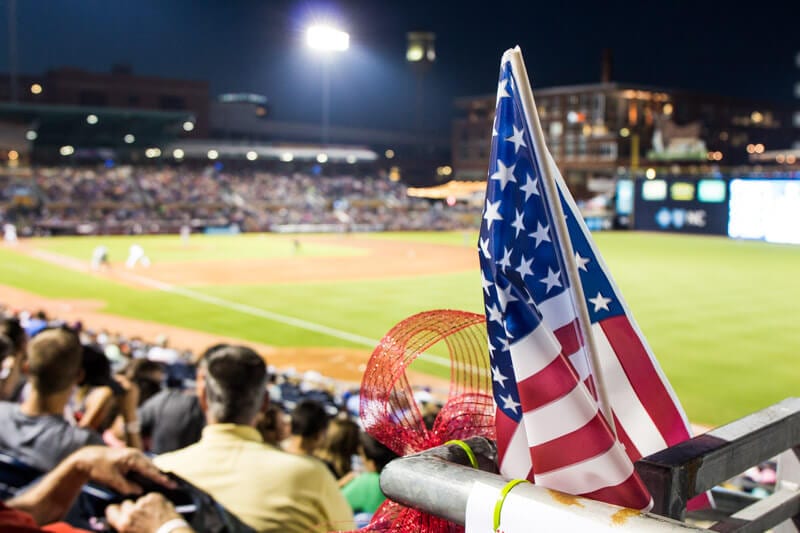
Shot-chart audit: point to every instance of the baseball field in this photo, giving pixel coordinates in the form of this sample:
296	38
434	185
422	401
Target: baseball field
720	315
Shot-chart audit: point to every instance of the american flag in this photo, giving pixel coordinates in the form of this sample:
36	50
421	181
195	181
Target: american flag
549	427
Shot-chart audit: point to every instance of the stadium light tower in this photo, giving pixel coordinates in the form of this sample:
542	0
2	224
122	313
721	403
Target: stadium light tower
326	40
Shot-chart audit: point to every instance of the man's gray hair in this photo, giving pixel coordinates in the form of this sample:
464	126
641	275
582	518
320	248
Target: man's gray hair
236	382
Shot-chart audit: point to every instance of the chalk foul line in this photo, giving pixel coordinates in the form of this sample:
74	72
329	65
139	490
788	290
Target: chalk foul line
75	264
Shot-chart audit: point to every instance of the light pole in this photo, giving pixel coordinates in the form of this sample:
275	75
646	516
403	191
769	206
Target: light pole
326	40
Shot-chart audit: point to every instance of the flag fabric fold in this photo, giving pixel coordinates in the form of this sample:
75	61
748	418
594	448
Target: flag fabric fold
550	429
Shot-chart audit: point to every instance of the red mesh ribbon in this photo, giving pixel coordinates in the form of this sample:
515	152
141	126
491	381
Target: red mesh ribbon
389	412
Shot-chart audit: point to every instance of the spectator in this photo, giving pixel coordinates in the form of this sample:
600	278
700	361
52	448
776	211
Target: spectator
15	340
49	500
309	425
364	493
36	324
272	425
339	446
36	431
171	420
268	489
101	399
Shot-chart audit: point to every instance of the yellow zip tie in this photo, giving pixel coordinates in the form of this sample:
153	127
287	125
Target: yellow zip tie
498	507
473	461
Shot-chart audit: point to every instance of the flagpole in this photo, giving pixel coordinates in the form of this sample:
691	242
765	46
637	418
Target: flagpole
551	190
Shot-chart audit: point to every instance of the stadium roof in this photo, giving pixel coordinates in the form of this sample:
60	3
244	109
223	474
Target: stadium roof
57	125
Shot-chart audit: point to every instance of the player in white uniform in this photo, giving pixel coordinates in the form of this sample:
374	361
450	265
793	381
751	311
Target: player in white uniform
100	257
186	230
10	233
136	255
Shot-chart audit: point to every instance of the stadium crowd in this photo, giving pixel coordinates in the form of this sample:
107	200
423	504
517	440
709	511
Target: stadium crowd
277	450
126	200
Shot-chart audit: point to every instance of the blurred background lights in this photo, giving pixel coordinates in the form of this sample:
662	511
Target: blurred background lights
322	158
251	155
327	38
177	153
188	125
36	89
213	154
66	150
92	119
129	138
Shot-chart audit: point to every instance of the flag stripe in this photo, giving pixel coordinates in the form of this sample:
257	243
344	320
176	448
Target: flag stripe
557	311
551	383
605	470
565	415
645	380
514	456
573	447
569	337
632	491
625	440
628	408
534	352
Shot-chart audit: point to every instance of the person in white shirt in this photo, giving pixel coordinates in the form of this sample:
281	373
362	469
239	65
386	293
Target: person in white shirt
100	257
136	255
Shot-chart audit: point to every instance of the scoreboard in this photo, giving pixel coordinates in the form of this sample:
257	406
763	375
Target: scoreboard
765	209
681	205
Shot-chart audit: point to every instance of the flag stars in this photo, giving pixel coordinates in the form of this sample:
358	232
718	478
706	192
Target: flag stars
504	174
517	139
504	296
498	376
524	268
485	283
505	262
531	186
494	314
501	90
541	234
600	302
581	262
509	403
518	224
491	214
484	245
552	280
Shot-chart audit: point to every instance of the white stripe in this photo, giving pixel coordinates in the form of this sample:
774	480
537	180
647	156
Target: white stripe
534	351
565	415
626	405
516	462
580	363
558	311
608	469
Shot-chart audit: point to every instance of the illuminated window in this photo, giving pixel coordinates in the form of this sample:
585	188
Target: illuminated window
633	113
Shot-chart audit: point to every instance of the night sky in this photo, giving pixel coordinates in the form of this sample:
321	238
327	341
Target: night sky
258	46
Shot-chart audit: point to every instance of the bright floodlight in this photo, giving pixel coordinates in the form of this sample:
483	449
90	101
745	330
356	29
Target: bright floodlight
327	38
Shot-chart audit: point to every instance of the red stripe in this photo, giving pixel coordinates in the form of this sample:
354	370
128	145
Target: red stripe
644	379
630	448
569	337
589	441
549	384
630	493
505	430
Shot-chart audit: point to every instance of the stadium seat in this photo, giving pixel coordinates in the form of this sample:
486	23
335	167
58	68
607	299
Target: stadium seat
15	475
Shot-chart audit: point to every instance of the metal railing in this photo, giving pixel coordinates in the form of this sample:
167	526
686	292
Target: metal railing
438	481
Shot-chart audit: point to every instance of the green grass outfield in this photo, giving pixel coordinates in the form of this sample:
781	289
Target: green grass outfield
720	315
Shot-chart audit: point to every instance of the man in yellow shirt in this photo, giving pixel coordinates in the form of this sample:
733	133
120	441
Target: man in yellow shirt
268	489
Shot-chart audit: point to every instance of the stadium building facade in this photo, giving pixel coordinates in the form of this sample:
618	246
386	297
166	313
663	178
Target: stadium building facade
599	131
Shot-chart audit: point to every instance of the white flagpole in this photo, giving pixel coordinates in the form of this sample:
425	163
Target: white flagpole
551	190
